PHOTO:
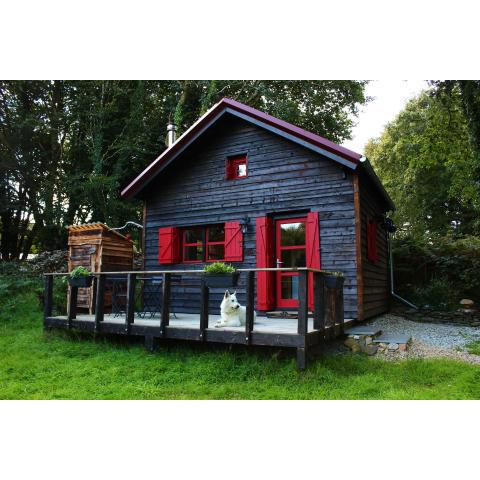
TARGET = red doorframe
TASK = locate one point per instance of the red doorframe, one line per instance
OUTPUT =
(286, 302)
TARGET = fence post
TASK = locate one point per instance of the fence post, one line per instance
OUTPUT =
(165, 315)
(99, 301)
(318, 301)
(302, 327)
(204, 296)
(250, 306)
(72, 305)
(130, 310)
(48, 296)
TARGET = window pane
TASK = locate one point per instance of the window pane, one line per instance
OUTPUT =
(292, 234)
(216, 233)
(193, 235)
(241, 170)
(216, 252)
(293, 258)
(290, 287)
(192, 254)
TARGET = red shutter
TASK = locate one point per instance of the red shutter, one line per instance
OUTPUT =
(372, 253)
(169, 245)
(312, 237)
(265, 259)
(233, 242)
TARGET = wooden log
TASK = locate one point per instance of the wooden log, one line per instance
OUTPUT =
(72, 305)
(318, 302)
(100, 301)
(165, 315)
(302, 303)
(48, 297)
(204, 295)
(130, 309)
(250, 306)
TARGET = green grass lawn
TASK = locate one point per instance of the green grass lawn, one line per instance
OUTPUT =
(63, 365)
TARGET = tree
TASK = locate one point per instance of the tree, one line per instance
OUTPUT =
(427, 163)
(68, 147)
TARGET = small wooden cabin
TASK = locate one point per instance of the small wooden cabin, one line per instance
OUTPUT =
(247, 188)
(100, 249)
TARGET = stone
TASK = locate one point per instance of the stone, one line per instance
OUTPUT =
(350, 343)
(475, 324)
(368, 340)
(371, 349)
(467, 310)
(356, 337)
(402, 347)
(355, 348)
(393, 346)
(466, 302)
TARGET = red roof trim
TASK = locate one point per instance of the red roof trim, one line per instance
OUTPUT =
(140, 181)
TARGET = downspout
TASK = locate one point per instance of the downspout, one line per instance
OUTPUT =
(392, 290)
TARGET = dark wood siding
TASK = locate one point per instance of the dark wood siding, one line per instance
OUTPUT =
(283, 178)
(375, 274)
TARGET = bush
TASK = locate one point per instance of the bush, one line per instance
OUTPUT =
(438, 272)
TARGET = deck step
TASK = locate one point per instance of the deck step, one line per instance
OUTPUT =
(363, 330)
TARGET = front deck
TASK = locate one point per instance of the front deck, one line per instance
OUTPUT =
(302, 333)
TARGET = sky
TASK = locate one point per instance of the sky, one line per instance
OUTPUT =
(390, 96)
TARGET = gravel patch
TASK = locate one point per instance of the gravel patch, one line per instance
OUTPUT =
(449, 337)
(430, 340)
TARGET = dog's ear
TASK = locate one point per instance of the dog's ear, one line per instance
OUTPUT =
(227, 293)
(235, 292)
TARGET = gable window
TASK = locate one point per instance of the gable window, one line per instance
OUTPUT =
(372, 253)
(237, 167)
(204, 244)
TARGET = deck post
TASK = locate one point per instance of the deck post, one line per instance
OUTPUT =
(72, 305)
(165, 315)
(48, 296)
(340, 308)
(318, 302)
(130, 310)
(99, 301)
(302, 327)
(250, 306)
(204, 296)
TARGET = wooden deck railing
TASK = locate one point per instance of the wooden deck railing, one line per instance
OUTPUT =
(327, 302)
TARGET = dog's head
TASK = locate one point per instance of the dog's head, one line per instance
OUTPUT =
(229, 303)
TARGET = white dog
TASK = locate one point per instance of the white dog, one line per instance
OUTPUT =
(232, 313)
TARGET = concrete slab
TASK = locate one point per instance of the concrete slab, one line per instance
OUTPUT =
(363, 330)
(392, 338)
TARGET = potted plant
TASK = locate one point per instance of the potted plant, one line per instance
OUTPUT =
(80, 277)
(220, 275)
(334, 280)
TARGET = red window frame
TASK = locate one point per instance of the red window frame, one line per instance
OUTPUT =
(186, 245)
(232, 164)
(208, 243)
(205, 244)
(372, 252)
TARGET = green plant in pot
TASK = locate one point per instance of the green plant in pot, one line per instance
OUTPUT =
(221, 275)
(80, 277)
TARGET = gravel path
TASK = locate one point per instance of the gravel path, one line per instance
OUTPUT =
(431, 339)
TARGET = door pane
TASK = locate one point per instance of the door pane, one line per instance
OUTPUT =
(292, 234)
(293, 258)
(289, 287)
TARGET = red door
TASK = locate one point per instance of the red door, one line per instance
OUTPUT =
(290, 252)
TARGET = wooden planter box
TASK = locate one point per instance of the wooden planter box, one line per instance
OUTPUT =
(221, 280)
(81, 282)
